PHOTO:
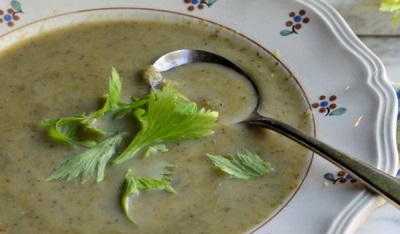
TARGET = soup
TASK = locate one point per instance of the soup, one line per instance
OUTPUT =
(62, 72)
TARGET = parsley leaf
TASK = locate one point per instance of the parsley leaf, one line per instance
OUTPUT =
(168, 116)
(113, 96)
(133, 184)
(154, 149)
(85, 164)
(242, 166)
(135, 104)
(73, 129)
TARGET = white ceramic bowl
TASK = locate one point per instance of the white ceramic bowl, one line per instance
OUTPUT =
(354, 106)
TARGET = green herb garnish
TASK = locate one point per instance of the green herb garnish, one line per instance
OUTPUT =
(73, 129)
(168, 117)
(86, 163)
(242, 166)
(155, 149)
(133, 184)
(164, 115)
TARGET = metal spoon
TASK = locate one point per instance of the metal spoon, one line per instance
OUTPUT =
(376, 180)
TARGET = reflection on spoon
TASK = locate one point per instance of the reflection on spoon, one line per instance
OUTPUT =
(376, 180)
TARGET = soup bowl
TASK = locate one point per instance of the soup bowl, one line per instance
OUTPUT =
(281, 41)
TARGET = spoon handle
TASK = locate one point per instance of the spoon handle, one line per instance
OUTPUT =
(376, 180)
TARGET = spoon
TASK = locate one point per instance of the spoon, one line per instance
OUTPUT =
(374, 179)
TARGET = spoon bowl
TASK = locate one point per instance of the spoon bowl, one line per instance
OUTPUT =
(374, 179)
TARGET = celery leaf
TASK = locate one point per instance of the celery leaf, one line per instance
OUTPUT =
(155, 149)
(169, 116)
(85, 164)
(242, 166)
(72, 129)
(133, 184)
(113, 96)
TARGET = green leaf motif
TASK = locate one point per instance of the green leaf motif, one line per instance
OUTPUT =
(329, 176)
(211, 2)
(286, 32)
(16, 6)
(338, 111)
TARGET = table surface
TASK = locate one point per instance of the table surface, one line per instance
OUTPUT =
(375, 30)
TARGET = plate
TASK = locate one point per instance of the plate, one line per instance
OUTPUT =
(353, 104)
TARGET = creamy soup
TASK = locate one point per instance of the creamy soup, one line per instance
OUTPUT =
(63, 72)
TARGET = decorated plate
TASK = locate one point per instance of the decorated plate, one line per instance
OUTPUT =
(352, 103)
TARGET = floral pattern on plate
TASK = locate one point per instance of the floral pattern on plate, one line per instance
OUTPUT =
(341, 177)
(327, 106)
(199, 4)
(295, 23)
(9, 15)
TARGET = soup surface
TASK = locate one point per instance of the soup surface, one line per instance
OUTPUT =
(63, 72)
